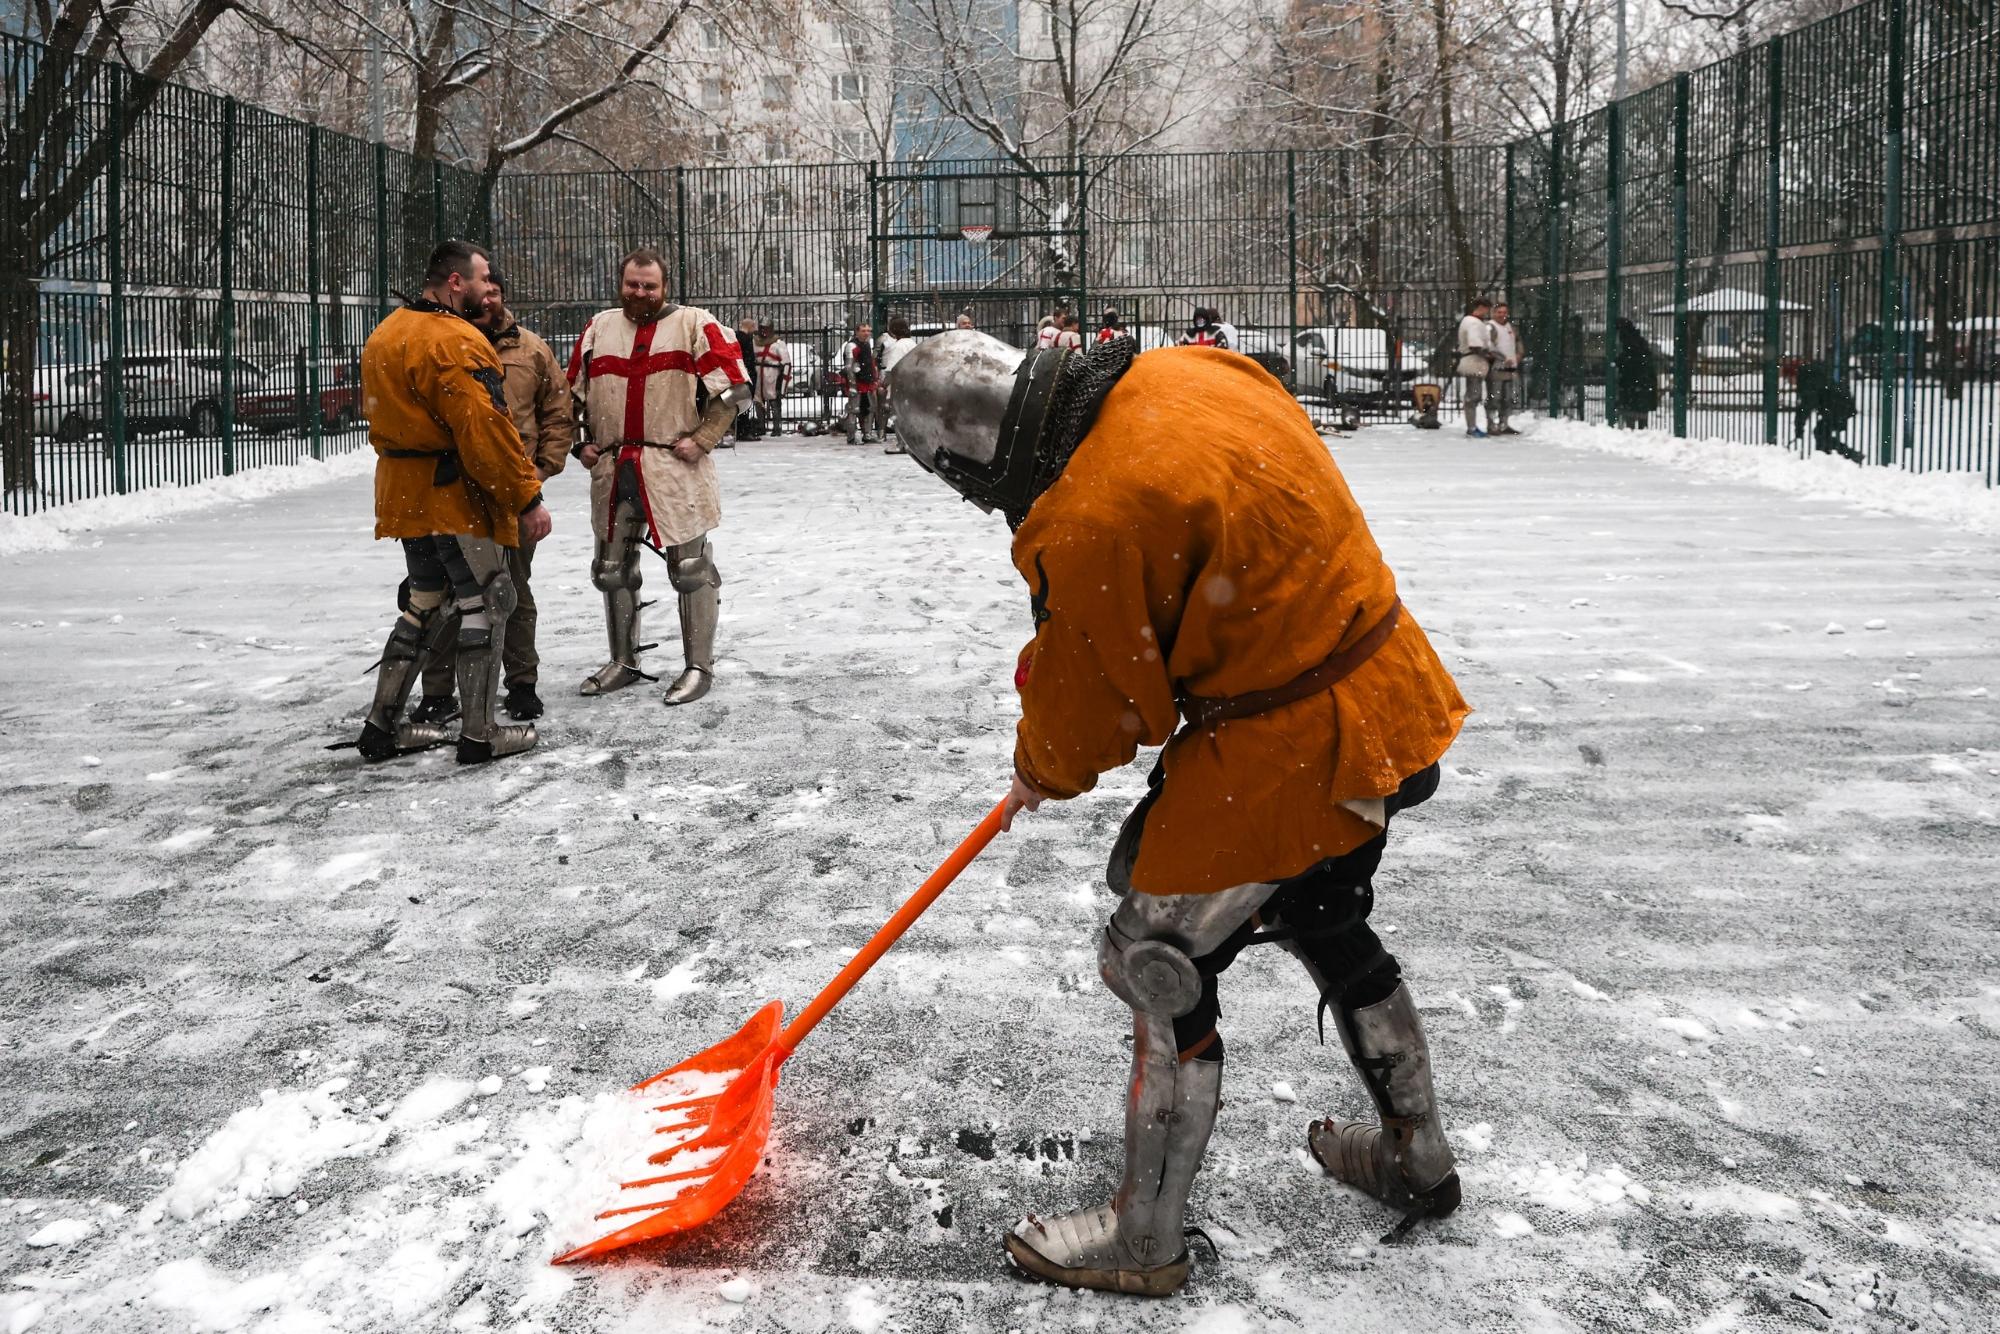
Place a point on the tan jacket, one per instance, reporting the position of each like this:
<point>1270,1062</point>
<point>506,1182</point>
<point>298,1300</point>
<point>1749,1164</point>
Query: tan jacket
<point>433,390</point>
<point>537,396</point>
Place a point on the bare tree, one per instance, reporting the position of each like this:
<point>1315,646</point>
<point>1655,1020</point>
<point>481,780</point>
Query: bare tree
<point>57,150</point>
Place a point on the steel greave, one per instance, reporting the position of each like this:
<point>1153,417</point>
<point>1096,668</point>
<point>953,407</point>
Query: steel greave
<point>1405,1161</point>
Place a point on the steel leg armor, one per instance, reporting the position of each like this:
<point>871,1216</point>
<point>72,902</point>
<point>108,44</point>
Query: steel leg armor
<point>691,568</point>
<point>413,645</point>
<point>616,574</point>
<point>1135,1243</point>
<point>481,628</point>
<point>1403,1162</point>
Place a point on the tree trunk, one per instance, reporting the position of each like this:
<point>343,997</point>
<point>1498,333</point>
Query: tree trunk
<point>1461,243</point>
<point>20,335</point>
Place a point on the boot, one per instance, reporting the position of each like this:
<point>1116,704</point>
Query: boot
<point>621,621</point>
<point>1136,1243</point>
<point>412,645</point>
<point>1404,1161</point>
<point>481,739</point>
<point>699,612</point>
<point>522,703</point>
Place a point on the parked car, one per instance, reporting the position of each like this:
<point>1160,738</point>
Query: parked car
<point>274,403</point>
<point>1267,349</point>
<point>1356,366</point>
<point>168,391</point>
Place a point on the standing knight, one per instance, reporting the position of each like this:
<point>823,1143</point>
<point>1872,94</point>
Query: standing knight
<point>642,371</point>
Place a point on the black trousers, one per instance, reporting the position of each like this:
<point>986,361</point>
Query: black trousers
<point>1323,914</point>
<point>436,563</point>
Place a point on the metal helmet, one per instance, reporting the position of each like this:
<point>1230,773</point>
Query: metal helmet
<point>995,423</point>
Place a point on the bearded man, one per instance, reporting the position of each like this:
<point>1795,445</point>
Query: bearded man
<point>1192,553</point>
<point>660,385</point>
<point>453,482</point>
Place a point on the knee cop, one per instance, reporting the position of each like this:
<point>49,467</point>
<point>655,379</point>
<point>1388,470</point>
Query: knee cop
<point>610,573</point>
<point>691,567</point>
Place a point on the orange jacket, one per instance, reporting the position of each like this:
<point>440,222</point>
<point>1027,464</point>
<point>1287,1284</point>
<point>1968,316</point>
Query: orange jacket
<point>433,385</point>
<point>1202,540</point>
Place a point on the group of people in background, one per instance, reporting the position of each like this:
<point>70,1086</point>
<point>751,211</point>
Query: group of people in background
<point>1489,367</point>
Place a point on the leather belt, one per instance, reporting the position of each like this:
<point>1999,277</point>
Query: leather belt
<point>1201,711</point>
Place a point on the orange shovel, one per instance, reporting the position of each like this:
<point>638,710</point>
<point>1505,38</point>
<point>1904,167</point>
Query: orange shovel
<point>722,1115</point>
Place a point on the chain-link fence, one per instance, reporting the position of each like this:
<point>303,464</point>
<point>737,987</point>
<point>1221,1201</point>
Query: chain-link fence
<point>1796,246</point>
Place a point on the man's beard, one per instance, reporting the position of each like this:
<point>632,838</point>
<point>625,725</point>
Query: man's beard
<point>471,307</point>
<point>640,309</point>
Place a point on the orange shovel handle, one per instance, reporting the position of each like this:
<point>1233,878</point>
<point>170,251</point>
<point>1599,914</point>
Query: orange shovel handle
<point>892,931</point>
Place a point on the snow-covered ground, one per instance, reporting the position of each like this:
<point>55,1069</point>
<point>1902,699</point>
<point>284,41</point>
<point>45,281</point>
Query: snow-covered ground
<point>1702,922</point>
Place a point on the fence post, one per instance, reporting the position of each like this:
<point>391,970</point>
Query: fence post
<point>311,386</point>
<point>1292,263</point>
<point>874,238</point>
<point>1551,338</point>
<point>1683,354</point>
<point>437,202</point>
<point>1892,228</point>
<point>681,231</point>
<point>1082,237</point>
<point>1774,120</point>
<point>114,256</point>
<point>226,312</point>
<point>1507,243</point>
<point>381,232</point>
<point>1614,250</point>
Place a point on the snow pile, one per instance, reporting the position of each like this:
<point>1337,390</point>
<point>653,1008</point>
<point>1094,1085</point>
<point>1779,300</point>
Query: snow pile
<point>264,1153</point>
<point>54,529</point>
<point>1957,498</point>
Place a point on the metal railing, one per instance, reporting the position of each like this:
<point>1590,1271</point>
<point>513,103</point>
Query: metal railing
<point>1804,238</point>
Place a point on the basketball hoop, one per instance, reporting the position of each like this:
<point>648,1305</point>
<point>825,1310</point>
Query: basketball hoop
<point>976,231</point>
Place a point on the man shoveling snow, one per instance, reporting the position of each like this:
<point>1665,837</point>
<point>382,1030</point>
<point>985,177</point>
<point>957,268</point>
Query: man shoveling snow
<point>1192,553</point>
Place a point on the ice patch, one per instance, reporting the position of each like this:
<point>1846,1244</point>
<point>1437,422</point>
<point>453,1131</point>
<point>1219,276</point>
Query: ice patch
<point>1738,1198</point>
<point>1511,1225</point>
<point>1574,1189</point>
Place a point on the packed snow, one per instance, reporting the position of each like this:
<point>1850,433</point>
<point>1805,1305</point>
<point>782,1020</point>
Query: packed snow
<point>1700,921</point>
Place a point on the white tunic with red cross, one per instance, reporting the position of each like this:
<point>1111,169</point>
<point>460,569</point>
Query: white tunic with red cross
<point>638,386</point>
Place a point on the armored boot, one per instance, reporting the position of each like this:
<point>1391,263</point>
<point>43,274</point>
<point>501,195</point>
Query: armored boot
<point>1136,1243</point>
<point>621,620</point>
<point>412,646</point>
<point>478,670</point>
<point>615,572</point>
<point>695,578</point>
<point>1404,1161</point>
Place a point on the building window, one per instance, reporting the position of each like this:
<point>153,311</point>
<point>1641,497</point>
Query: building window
<point>711,35</point>
<point>854,40</point>
<point>716,144</point>
<point>777,262</point>
<point>774,148</point>
<point>851,144</point>
<point>777,89</point>
<point>711,97</point>
<point>1135,251</point>
<point>850,87</point>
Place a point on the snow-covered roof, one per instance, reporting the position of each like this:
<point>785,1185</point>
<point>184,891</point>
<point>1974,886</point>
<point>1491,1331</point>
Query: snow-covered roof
<point>1727,301</point>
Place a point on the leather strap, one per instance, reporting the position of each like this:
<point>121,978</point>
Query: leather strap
<point>1202,711</point>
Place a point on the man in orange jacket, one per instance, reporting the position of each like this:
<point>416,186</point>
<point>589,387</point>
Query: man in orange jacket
<point>1193,554</point>
<point>454,483</point>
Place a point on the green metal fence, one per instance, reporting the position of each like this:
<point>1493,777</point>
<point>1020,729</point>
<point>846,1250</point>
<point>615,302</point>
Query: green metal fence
<point>187,279</point>
<point>1806,233</point>
<point>1805,239</point>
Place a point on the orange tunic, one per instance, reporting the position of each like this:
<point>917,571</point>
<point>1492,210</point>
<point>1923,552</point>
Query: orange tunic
<point>1202,540</point>
<point>432,384</point>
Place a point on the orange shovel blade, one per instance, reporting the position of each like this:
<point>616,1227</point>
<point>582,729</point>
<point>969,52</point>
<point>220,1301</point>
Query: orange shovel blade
<point>717,1136</point>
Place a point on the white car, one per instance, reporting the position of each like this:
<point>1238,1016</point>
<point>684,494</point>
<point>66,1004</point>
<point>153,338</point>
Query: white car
<point>1353,366</point>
